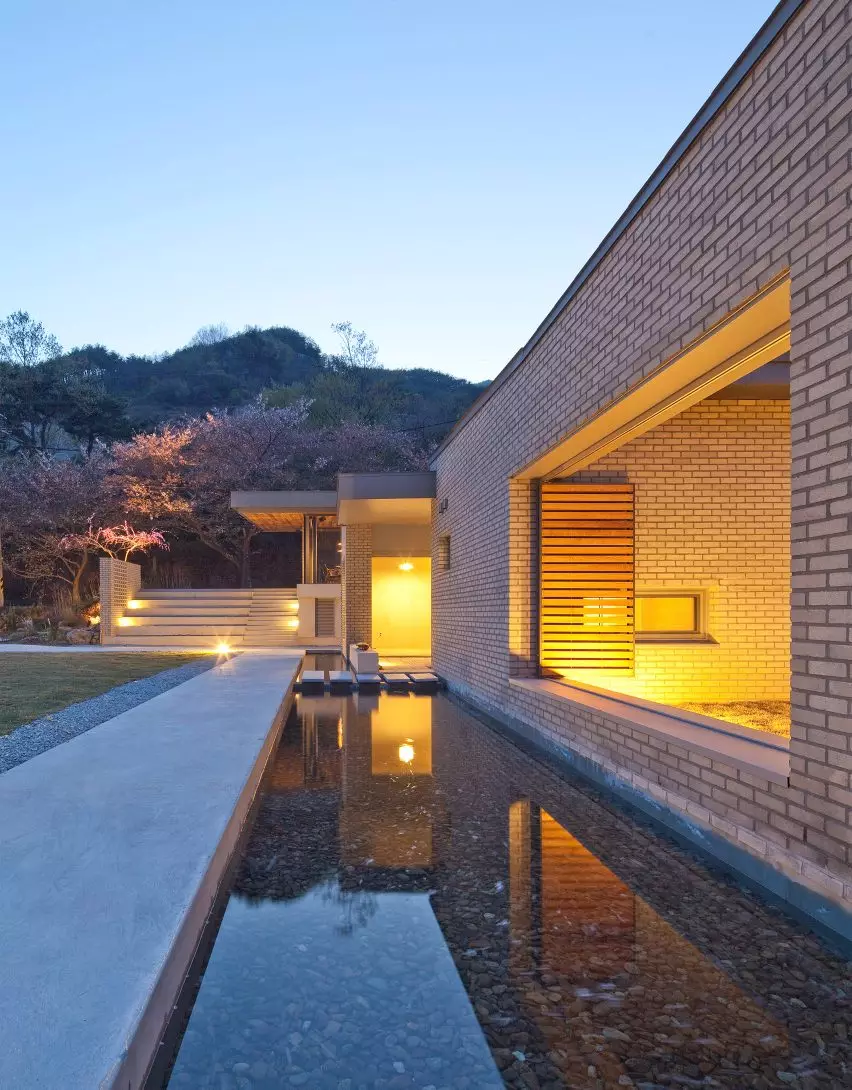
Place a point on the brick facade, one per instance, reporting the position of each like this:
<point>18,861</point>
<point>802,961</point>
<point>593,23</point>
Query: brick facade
<point>356,598</point>
<point>763,190</point>
<point>119,582</point>
<point>712,493</point>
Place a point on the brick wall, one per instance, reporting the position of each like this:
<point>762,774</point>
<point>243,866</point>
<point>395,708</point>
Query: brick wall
<point>356,598</point>
<point>119,582</point>
<point>764,189</point>
<point>712,493</point>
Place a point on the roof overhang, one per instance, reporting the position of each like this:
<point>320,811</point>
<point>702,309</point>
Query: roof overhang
<point>399,498</point>
<point>282,511</point>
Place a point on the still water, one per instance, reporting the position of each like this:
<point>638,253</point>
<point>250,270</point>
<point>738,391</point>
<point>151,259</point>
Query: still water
<point>422,904</point>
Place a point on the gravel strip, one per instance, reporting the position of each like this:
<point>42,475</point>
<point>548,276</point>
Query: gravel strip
<point>52,730</point>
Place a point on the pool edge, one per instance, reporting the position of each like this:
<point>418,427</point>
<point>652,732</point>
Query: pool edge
<point>138,1062</point>
<point>824,916</point>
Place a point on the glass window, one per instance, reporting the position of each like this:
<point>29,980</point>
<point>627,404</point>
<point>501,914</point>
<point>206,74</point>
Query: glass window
<point>668,615</point>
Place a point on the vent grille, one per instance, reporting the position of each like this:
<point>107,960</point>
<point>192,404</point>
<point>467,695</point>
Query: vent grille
<point>324,616</point>
<point>587,577</point>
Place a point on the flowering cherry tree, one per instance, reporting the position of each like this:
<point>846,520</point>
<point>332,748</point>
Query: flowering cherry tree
<point>120,542</point>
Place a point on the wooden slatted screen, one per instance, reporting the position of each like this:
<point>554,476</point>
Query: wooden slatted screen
<point>587,580</point>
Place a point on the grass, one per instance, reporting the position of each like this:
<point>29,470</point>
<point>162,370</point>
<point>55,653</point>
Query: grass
<point>36,684</point>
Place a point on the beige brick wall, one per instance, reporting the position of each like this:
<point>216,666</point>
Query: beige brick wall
<point>764,189</point>
<point>119,582</point>
<point>712,494</point>
<point>356,598</point>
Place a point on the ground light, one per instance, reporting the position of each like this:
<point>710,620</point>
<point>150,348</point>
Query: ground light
<point>223,649</point>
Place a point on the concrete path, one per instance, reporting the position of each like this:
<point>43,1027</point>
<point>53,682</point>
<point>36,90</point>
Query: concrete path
<point>111,850</point>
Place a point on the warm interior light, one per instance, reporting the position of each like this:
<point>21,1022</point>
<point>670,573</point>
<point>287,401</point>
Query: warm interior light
<point>406,753</point>
<point>406,566</point>
<point>125,622</point>
<point>222,648</point>
<point>134,603</point>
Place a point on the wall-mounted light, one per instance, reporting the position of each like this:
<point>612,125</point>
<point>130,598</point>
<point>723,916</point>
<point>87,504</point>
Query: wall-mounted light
<point>293,622</point>
<point>222,648</point>
<point>406,565</point>
<point>406,753</point>
<point>134,603</point>
<point>125,622</point>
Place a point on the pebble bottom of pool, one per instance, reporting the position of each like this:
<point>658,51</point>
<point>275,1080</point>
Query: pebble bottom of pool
<point>419,903</point>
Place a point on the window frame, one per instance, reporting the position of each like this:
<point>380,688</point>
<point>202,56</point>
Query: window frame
<point>699,634</point>
<point>445,553</point>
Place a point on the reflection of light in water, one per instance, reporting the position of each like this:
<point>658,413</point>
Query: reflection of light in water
<point>406,752</point>
<point>340,734</point>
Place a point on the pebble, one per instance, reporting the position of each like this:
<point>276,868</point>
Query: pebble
<point>647,971</point>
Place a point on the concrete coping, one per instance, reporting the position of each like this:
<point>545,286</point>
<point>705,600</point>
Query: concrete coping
<point>765,755</point>
<point>113,847</point>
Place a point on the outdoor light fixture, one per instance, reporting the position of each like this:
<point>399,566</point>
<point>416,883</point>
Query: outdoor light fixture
<point>134,603</point>
<point>222,649</point>
<point>293,622</point>
<point>406,753</point>
<point>406,566</point>
<point>125,622</point>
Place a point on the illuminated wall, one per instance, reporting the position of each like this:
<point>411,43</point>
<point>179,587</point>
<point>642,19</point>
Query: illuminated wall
<point>402,605</point>
<point>712,502</point>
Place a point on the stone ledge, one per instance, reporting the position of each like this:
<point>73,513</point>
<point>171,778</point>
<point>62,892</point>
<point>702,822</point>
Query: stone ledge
<point>767,756</point>
<point>113,847</point>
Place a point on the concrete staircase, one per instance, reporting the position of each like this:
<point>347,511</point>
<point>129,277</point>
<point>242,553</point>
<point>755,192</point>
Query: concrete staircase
<point>205,618</point>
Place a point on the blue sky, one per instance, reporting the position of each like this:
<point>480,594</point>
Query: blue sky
<point>435,172</point>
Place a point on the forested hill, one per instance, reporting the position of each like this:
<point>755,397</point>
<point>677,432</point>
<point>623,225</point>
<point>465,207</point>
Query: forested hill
<point>283,366</point>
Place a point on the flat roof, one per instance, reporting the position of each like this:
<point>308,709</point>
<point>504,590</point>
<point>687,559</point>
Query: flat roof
<point>305,503</point>
<point>386,486</point>
<point>404,498</point>
<point>729,83</point>
<point>279,512</point>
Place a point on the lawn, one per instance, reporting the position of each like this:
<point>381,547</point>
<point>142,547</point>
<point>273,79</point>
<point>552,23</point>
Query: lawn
<point>36,684</point>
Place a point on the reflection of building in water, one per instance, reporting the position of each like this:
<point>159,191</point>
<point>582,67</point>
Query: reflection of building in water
<point>387,821</point>
<point>621,972</point>
<point>309,754</point>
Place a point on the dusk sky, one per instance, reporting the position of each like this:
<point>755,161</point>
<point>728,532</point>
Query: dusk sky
<point>435,173</point>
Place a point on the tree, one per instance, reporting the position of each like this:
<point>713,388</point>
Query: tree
<point>25,342</point>
<point>209,334</point>
<point>119,542</point>
<point>40,403</point>
<point>357,348</point>
<point>42,502</point>
<point>183,475</point>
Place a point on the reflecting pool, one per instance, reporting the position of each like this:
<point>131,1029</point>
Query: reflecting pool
<point>422,904</point>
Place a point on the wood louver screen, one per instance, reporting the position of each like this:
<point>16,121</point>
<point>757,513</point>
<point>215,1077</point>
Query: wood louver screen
<point>587,582</point>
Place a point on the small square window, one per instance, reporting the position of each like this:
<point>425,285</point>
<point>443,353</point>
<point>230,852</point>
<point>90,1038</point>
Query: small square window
<point>444,552</point>
<point>670,615</point>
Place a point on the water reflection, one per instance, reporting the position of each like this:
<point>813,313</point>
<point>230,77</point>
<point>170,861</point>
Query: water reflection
<point>429,892</point>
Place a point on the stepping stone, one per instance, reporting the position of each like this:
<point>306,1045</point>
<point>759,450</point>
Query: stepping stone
<point>340,679</point>
<point>368,681</point>
<point>313,679</point>
<point>396,681</point>
<point>423,680</point>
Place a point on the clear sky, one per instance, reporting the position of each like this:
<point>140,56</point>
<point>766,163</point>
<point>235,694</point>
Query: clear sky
<point>435,172</point>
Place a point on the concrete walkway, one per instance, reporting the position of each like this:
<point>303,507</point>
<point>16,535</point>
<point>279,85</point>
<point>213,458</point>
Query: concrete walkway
<point>112,847</point>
